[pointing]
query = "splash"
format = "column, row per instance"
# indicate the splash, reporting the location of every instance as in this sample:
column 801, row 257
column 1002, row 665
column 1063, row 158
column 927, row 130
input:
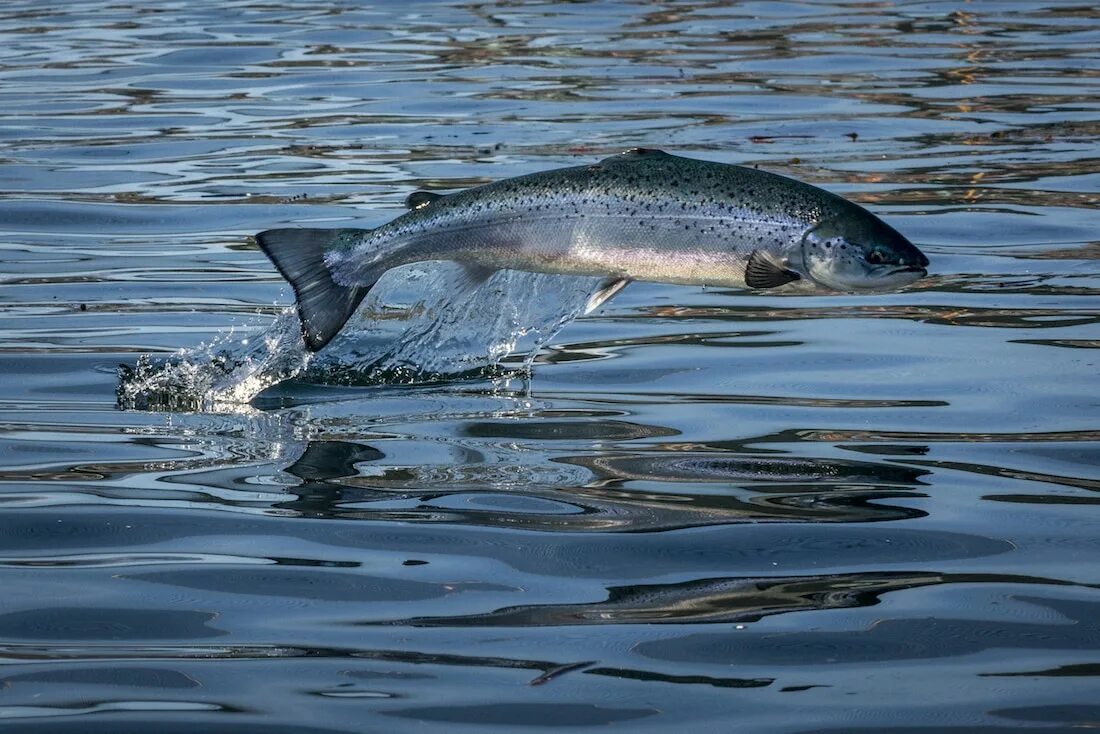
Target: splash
column 420, row 324
column 221, row 376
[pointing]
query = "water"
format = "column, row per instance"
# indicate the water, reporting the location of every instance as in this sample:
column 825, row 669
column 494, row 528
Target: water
column 697, row 508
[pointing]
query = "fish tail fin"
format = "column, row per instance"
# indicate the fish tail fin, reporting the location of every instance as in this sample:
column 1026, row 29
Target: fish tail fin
column 323, row 305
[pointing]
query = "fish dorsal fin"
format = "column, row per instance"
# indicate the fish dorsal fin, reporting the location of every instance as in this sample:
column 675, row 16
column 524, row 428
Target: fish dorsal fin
column 417, row 199
column 761, row 272
column 635, row 154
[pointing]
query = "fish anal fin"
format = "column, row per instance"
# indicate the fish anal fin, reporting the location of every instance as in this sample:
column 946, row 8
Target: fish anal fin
column 608, row 288
column 761, row 272
column 418, row 199
column 323, row 304
column 473, row 275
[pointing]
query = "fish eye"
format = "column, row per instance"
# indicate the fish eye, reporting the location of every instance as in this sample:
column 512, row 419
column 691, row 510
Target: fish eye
column 875, row 257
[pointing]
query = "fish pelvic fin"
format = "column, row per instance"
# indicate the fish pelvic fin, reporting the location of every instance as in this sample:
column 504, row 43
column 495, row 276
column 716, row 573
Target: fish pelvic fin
column 323, row 305
column 608, row 287
column 761, row 272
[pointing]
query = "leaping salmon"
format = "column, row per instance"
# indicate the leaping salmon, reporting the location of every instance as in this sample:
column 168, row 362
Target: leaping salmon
column 640, row 215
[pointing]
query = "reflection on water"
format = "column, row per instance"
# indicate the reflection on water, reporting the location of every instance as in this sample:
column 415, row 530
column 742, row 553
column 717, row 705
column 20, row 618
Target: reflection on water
column 718, row 600
column 812, row 514
column 507, row 492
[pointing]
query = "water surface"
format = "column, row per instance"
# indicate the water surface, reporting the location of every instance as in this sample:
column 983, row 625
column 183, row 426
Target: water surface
column 698, row 508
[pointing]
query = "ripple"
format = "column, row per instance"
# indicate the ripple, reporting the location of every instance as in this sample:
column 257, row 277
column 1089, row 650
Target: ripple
column 781, row 470
column 122, row 560
column 889, row 639
column 521, row 714
column 61, row 624
column 712, row 601
column 308, row 584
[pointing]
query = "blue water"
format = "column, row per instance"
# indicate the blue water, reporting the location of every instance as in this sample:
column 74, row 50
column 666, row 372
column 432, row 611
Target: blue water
column 693, row 508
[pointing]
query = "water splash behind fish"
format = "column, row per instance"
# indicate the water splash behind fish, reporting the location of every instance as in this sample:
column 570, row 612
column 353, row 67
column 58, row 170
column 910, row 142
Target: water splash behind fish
column 423, row 323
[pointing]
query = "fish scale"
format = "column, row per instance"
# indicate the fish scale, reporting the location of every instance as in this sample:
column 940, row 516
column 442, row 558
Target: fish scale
column 641, row 215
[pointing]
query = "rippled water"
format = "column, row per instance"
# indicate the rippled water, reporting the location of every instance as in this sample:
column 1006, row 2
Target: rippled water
column 704, row 508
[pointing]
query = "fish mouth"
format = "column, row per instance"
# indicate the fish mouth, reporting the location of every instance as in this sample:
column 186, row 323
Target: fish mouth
column 909, row 269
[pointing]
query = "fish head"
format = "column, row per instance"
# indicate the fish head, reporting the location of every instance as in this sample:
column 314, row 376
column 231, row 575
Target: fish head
column 857, row 251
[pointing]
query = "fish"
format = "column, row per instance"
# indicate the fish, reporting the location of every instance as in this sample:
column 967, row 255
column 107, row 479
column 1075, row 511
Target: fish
column 641, row 215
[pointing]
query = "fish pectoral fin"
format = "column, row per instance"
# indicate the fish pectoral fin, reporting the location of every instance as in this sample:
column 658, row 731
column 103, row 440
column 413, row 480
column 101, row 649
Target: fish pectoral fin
column 418, row 199
column 608, row 288
column 473, row 275
column 761, row 272
column 323, row 304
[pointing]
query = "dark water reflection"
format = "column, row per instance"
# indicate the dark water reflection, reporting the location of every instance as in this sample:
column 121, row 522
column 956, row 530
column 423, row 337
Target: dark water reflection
column 706, row 509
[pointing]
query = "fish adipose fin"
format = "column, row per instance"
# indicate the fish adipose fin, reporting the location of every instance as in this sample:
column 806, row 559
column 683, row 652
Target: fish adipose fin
column 417, row 199
column 608, row 288
column 635, row 154
column 761, row 272
column 323, row 305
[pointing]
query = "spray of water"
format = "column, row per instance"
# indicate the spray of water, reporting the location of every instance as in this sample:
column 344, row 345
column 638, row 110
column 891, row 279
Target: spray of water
column 423, row 323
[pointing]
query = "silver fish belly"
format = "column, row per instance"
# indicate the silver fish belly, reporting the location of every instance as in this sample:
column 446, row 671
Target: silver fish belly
column 642, row 215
